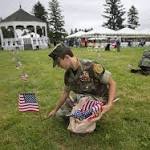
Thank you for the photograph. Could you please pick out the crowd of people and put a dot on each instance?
(106, 44)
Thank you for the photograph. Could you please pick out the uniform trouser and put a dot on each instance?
(67, 106)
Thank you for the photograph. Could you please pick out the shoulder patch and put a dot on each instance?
(98, 68)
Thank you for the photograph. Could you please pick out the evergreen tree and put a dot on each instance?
(85, 30)
(114, 12)
(71, 32)
(56, 22)
(133, 19)
(7, 32)
(90, 29)
(39, 11)
(1, 19)
(76, 30)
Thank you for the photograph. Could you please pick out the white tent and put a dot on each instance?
(30, 35)
(127, 31)
(104, 32)
(19, 32)
(100, 31)
(144, 31)
(75, 35)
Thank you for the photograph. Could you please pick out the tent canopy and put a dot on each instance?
(25, 34)
(127, 31)
(75, 35)
(100, 31)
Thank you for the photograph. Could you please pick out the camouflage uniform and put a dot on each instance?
(90, 79)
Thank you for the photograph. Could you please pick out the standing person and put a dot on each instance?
(86, 42)
(54, 43)
(107, 47)
(118, 45)
(83, 77)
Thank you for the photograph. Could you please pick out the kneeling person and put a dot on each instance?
(86, 78)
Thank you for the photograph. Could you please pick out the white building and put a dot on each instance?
(22, 30)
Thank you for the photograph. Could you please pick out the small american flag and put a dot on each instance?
(24, 76)
(27, 102)
(89, 110)
(18, 64)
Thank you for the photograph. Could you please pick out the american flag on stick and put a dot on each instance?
(27, 102)
(24, 76)
(18, 64)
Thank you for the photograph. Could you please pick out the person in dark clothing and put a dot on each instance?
(118, 45)
(107, 47)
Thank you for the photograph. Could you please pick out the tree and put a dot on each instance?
(1, 19)
(114, 12)
(75, 30)
(39, 11)
(71, 32)
(56, 22)
(7, 32)
(133, 19)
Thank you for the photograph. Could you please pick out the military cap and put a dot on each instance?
(58, 51)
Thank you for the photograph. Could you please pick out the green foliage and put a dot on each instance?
(75, 30)
(55, 22)
(71, 32)
(39, 11)
(113, 14)
(8, 32)
(125, 127)
(133, 19)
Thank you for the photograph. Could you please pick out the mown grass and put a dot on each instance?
(125, 127)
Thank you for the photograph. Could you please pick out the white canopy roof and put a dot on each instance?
(25, 34)
(20, 32)
(127, 31)
(77, 34)
(30, 35)
(144, 31)
(100, 31)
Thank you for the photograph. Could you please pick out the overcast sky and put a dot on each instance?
(79, 13)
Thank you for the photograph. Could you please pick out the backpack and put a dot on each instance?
(144, 63)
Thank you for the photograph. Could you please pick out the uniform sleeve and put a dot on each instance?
(101, 74)
(67, 87)
(105, 77)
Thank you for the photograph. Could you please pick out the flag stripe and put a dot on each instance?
(90, 104)
(28, 109)
(22, 108)
(27, 104)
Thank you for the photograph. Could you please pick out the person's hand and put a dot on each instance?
(106, 108)
(52, 113)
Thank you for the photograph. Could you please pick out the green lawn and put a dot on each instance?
(125, 127)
